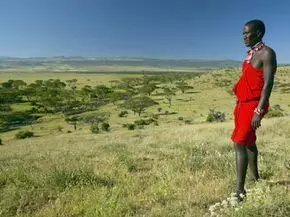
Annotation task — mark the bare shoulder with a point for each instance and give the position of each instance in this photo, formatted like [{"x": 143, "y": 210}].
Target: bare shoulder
[
  {"x": 269, "y": 60},
  {"x": 268, "y": 53}
]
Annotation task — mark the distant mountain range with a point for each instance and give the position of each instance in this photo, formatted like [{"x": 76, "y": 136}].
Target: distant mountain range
[{"x": 79, "y": 62}]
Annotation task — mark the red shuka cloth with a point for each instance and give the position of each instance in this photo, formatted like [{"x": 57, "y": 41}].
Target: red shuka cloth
[{"x": 248, "y": 92}]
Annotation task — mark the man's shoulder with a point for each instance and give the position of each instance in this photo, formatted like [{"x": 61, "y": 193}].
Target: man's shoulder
[{"x": 268, "y": 53}]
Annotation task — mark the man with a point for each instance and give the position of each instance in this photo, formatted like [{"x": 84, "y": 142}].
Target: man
[{"x": 252, "y": 91}]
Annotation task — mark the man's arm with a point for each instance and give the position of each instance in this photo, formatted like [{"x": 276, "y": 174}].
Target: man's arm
[{"x": 269, "y": 68}]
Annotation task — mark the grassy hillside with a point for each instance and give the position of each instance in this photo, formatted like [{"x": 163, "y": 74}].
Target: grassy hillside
[{"x": 173, "y": 169}]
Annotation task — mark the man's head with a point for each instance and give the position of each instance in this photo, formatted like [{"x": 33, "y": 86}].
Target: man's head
[{"x": 253, "y": 33}]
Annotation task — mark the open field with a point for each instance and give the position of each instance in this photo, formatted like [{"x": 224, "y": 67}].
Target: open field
[
  {"x": 83, "y": 78},
  {"x": 173, "y": 169}
]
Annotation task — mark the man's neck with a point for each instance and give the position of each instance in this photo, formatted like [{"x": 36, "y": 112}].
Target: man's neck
[{"x": 256, "y": 45}]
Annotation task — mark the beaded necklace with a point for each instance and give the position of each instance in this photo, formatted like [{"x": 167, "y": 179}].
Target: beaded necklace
[{"x": 251, "y": 52}]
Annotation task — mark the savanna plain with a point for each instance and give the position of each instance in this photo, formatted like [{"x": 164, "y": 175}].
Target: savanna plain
[{"x": 131, "y": 144}]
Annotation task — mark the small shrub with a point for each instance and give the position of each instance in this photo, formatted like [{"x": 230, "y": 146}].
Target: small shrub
[
  {"x": 180, "y": 118},
  {"x": 123, "y": 114},
  {"x": 24, "y": 134},
  {"x": 274, "y": 113},
  {"x": 159, "y": 109},
  {"x": 188, "y": 121},
  {"x": 155, "y": 116},
  {"x": 131, "y": 126},
  {"x": 1, "y": 142},
  {"x": 95, "y": 129},
  {"x": 5, "y": 108},
  {"x": 141, "y": 122},
  {"x": 276, "y": 107},
  {"x": 105, "y": 127},
  {"x": 34, "y": 110},
  {"x": 144, "y": 121},
  {"x": 59, "y": 128},
  {"x": 215, "y": 116},
  {"x": 69, "y": 131}
]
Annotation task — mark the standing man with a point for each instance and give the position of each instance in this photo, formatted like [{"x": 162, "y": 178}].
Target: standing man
[{"x": 252, "y": 91}]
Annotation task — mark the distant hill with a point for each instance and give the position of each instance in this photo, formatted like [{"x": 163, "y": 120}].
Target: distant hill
[{"x": 78, "y": 62}]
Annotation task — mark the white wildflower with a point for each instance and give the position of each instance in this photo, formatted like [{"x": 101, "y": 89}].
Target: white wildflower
[
  {"x": 224, "y": 203},
  {"x": 212, "y": 208},
  {"x": 234, "y": 202},
  {"x": 218, "y": 204}
]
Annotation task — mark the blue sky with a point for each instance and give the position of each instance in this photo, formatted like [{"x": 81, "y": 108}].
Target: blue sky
[{"x": 203, "y": 29}]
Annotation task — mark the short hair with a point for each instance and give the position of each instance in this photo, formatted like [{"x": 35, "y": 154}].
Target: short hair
[{"x": 259, "y": 25}]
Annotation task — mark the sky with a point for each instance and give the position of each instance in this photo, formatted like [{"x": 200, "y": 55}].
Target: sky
[{"x": 171, "y": 29}]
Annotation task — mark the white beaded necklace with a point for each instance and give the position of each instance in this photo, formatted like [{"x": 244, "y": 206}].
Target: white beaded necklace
[{"x": 251, "y": 52}]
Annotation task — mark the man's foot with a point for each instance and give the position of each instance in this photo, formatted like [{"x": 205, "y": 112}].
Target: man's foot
[{"x": 240, "y": 196}]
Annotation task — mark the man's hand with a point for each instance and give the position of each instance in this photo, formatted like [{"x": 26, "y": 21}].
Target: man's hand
[{"x": 256, "y": 121}]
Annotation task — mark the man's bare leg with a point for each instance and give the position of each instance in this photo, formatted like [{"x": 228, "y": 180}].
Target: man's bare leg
[
  {"x": 253, "y": 161},
  {"x": 241, "y": 167}
]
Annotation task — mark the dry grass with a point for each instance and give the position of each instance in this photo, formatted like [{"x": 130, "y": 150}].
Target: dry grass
[
  {"x": 168, "y": 170},
  {"x": 164, "y": 171}
]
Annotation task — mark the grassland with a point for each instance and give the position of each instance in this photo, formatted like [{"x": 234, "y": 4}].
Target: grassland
[{"x": 174, "y": 169}]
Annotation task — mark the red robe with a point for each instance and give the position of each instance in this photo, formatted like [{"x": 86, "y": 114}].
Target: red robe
[{"x": 248, "y": 91}]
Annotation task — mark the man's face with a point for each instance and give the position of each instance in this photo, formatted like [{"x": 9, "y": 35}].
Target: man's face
[{"x": 250, "y": 35}]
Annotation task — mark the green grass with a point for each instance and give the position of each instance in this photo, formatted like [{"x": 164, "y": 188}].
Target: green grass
[
  {"x": 164, "y": 171},
  {"x": 173, "y": 169}
]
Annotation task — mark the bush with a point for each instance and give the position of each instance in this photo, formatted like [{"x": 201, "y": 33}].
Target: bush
[
  {"x": 180, "y": 118},
  {"x": 105, "y": 127},
  {"x": 274, "y": 113},
  {"x": 139, "y": 124},
  {"x": 1, "y": 142},
  {"x": 59, "y": 128},
  {"x": 155, "y": 116},
  {"x": 130, "y": 126},
  {"x": 215, "y": 116},
  {"x": 123, "y": 114},
  {"x": 95, "y": 129},
  {"x": 24, "y": 134},
  {"x": 143, "y": 122},
  {"x": 5, "y": 108},
  {"x": 188, "y": 121}
]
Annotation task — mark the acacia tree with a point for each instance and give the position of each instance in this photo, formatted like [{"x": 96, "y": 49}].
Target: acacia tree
[
  {"x": 101, "y": 92},
  {"x": 86, "y": 94},
  {"x": 12, "y": 91},
  {"x": 183, "y": 86},
  {"x": 14, "y": 84},
  {"x": 169, "y": 93},
  {"x": 117, "y": 95},
  {"x": 72, "y": 84},
  {"x": 138, "y": 104},
  {"x": 72, "y": 120},
  {"x": 148, "y": 88},
  {"x": 50, "y": 95},
  {"x": 95, "y": 119}
]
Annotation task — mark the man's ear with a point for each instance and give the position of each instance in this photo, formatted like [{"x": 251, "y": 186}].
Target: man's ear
[{"x": 259, "y": 34}]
